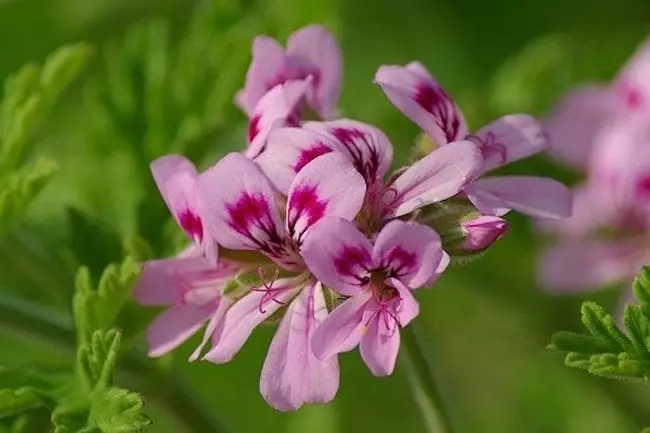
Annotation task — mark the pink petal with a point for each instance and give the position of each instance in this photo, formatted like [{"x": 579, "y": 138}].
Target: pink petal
[
  {"x": 409, "y": 252},
  {"x": 215, "y": 325},
  {"x": 338, "y": 254},
  {"x": 267, "y": 69},
  {"x": 509, "y": 139},
  {"x": 327, "y": 186},
  {"x": 589, "y": 212},
  {"x": 161, "y": 282},
  {"x": 316, "y": 50},
  {"x": 423, "y": 101},
  {"x": 530, "y": 195},
  {"x": 238, "y": 205},
  {"x": 436, "y": 177},
  {"x": 631, "y": 85},
  {"x": 379, "y": 348},
  {"x": 292, "y": 375},
  {"x": 175, "y": 177},
  {"x": 367, "y": 147},
  {"x": 246, "y": 315},
  {"x": 481, "y": 232},
  {"x": 485, "y": 201},
  {"x": 171, "y": 328},
  {"x": 288, "y": 150},
  {"x": 589, "y": 265},
  {"x": 279, "y": 107},
  {"x": 409, "y": 306},
  {"x": 575, "y": 121},
  {"x": 343, "y": 329}
]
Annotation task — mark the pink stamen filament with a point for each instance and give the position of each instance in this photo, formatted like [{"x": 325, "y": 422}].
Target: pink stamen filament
[{"x": 270, "y": 291}]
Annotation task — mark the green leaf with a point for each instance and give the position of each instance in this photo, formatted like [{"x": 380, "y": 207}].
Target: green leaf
[
  {"x": 15, "y": 401},
  {"x": 118, "y": 411},
  {"x": 96, "y": 360},
  {"x": 603, "y": 326},
  {"x": 97, "y": 309},
  {"x": 572, "y": 342},
  {"x": 641, "y": 286}
]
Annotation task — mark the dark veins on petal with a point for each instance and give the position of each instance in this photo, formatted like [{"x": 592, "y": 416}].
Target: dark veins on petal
[
  {"x": 349, "y": 259},
  {"x": 438, "y": 103},
  {"x": 191, "y": 223},
  {"x": 304, "y": 202},
  {"x": 308, "y": 155},
  {"x": 366, "y": 161},
  {"x": 399, "y": 261}
]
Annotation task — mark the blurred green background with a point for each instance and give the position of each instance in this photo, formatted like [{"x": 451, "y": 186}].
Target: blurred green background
[{"x": 162, "y": 79}]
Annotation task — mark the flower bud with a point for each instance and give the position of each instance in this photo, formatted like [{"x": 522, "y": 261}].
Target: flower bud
[{"x": 482, "y": 231}]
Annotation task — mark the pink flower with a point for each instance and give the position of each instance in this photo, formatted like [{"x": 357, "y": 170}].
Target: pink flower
[
  {"x": 576, "y": 121},
  {"x": 242, "y": 212},
  {"x": 605, "y": 242},
  {"x": 176, "y": 177},
  {"x": 191, "y": 286},
  {"x": 414, "y": 91},
  {"x": 377, "y": 281},
  {"x": 311, "y": 52},
  {"x": 438, "y": 176},
  {"x": 279, "y": 107},
  {"x": 482, "y": 231}
]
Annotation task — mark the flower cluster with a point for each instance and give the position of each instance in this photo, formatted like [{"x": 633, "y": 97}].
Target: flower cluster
[
  {"x": 307, "y": 228},
  {"x": 605, "y": 132}
]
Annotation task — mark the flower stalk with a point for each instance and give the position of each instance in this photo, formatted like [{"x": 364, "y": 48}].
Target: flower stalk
[{"x": 425, "y": 389}]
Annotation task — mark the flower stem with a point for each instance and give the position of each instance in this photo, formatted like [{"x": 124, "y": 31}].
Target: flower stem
[
  {"x": 170, "y": 391},
  {"x": 426, "y": 392}
]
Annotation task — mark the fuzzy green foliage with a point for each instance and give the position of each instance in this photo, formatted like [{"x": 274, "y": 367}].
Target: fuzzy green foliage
[
  {"x": 84, "y": 400},
  {"x": 606, "y": 350},
  {"x": 29, "y": 95}
]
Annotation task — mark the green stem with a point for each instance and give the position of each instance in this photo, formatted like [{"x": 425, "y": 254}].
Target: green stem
[
  {"x": 426, "y": 392},
  {"x": 170, "y": 391}
]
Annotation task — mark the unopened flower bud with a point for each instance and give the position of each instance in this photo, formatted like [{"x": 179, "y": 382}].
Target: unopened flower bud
[{"x": 482, "y": 231}]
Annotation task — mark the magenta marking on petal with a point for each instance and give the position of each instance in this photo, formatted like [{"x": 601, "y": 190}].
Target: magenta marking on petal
[
  {"x": 352, "y": 138},
  {"x": 308, "y": 155},
  {"x": 489, "y": 146},
  {"x": 399, "y": 261},
  {"x": 254, "y": 127},
  {"x": 349, "y": 260},
  {"x": 250, "y": 212},
  {"x": 643, "y": 188},
  {"x": 437, "y": 102},
  {"x": 305, "y": 202},
  {"x": 632, "y": 97},
  {"x": 191, "y": 223}
]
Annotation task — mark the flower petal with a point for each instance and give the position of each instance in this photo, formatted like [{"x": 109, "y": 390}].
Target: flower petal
[
  {"x": 279, "y": 107},
  {"x": 631, "y": 84},
  {"x": 292, "y": 375},
  {"x": 379, "y": 348},
  {"x": 416, "y": 94},
  {"x": 171, "y": 328},
  {"x": 342, "y": 330},
  {"x": 238, "y": 205},
  {"x": 327, "y": 186},
  {"x": 529, "y": 195},
  {"x": 436, "y": 177},
  {"x": 338, "y": 254},
  {"x": 288, "y": 150},
  {"x": 409, "y": 252},
  {"x": 176, "y": 177},
  {"x": 315, "y": 48},
  {"x": 509, "y": 139},
  {"x": 575, "y": 121},
  {"x": 215, "y": 325},
  {"x": 267, "y": 69},
  {"x": 589, "y": 265},
  {"x": 163, "y": 282},
  {"x": 367, "y": 147},
  {"x": 409, "y": 306},
  {"x": 245, "y": 315}
]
